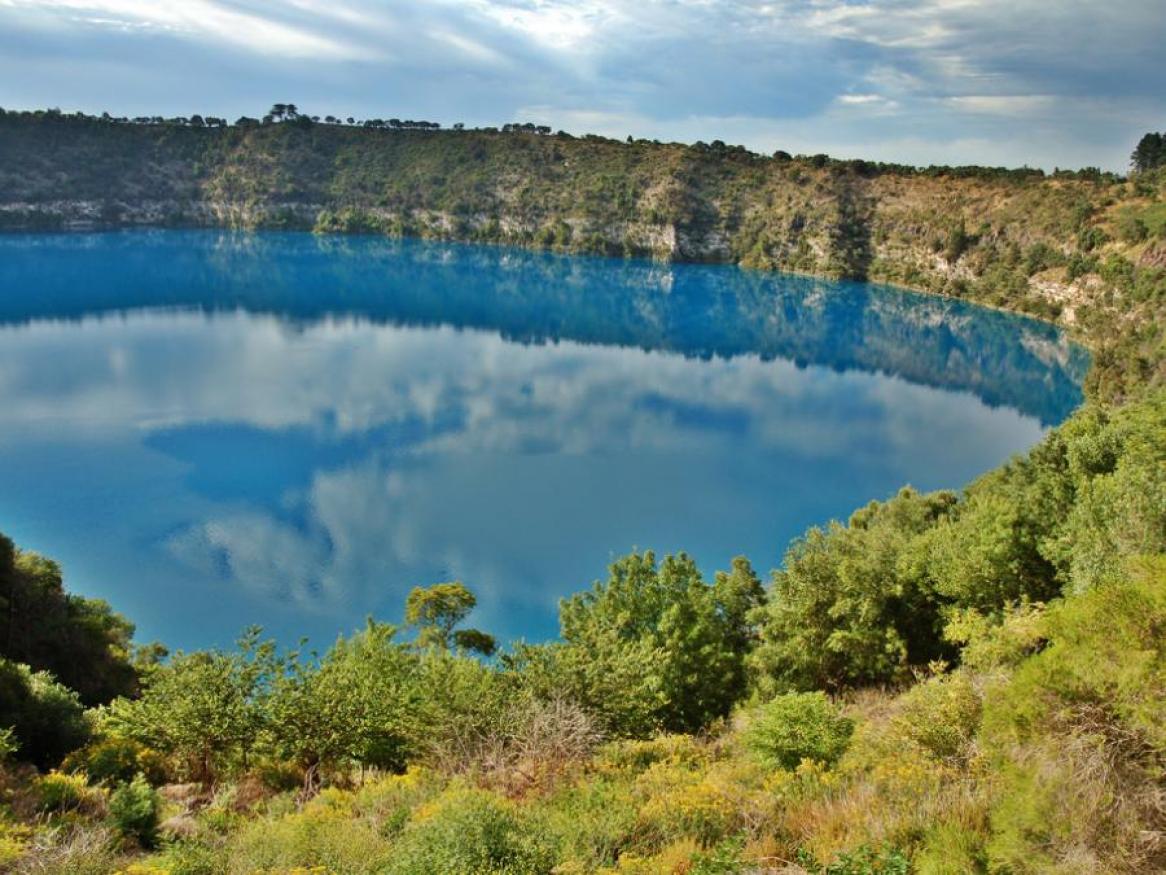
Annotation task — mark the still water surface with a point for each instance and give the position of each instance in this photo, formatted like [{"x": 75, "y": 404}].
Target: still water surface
[{"x": 212, "y": 430}]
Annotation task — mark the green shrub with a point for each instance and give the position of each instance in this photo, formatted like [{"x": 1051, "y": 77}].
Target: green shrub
[
  {"x": 595, "y": 822},
  {"x": 115, "y": 760},
  {"x": 798, "y": 726},
  {"x": 190, "y": 857},
  {"x": 952, "y": 849},
  {"x": 850, "y": 606},
  {"x": 472, "y": 831},
  {"x": 323, "y": 834},
  {"x": 867, "y": 861},
  {"x": 46, "y": 717},
  {"x": 134, "y": 810},
  {"x": 58, "y": 792},
  {"x": 941, "y": 715},
  {"x": 1077, "y": 736},
  {"x": 9, "y": 744}
]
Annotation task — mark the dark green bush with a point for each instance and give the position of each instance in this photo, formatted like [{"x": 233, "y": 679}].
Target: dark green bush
[{"x": 134, "y": 810}]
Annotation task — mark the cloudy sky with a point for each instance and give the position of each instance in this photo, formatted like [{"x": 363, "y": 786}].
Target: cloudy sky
[{"x": 1039, "y": 82}]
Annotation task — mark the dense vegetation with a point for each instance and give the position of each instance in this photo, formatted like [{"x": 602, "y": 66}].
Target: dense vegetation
[{"x": 952, "y": 682}]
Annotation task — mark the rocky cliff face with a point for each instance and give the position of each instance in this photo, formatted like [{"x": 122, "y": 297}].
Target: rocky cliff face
[{"x": 1080, "y": 249}]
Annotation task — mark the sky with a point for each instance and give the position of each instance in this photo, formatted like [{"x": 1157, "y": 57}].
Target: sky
[{"x": 1043, "y": 83}]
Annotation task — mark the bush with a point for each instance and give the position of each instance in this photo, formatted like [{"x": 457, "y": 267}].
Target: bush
[
  {"x": 134, "y": 810},
  {"x": 849, "y": 607},
  {"x": 59, "y": 792},
  {"x": 46, "y": 718},
  {"x": 190, "y": 858},
  {"x": 595, "y": 822},
  {"x": 798, "y": 726},
  {"x": 116, "y": 760},
  {"x": 472, "y": 831},
  {"x": 323, "y": 834},
  {"x": 941, "y": 715},
  {"x": 1077, "y": 736}
]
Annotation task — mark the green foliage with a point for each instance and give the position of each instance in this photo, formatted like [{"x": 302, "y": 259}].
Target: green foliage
[
  {"x": 9, "y": 744},
  {"x": 59, "y": 792},
  {"x": 798, "y": 726},
  {"x": 323, "y": 834},
  {"x": 958, "y": 242},
  {"x": 472, "y": 831},
  {"x": 115, "y": 760},
  {"x": 867, "y": 861},
  {"x": 437, "y": 609},
  {"x": 83, "y": 643},
  {"x": 204, "y": 708},
  {"x": 1150, "y": 153},
  {"x": 850, "y": 606},
  {"x": 1118, "y": 461},
  {"x": 350, "y": 706},
  {"x": 134, "y": 810},
  {"x": 655, "y": 647},
  {"x": 45, "y": 717},
  {"x": 1078, "y": 736},
  {"x": 941, "y": 715},
  {"x": 1000, "y": 547}
]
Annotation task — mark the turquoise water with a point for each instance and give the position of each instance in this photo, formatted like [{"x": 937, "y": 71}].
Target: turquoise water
[{"x": 212, "y": 430}]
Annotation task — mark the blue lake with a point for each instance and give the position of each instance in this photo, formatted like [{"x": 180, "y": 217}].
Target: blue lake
[{"x": 212, "y": 430}]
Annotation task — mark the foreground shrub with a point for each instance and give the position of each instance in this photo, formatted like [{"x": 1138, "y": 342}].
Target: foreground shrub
[
  {"x": 941, "y": 715},
  {"x": 796, "y": 727},
  {"x": 116, "y": 760},
  {"x": 1078, "y": 737},
  {"x": 595, "y": 822},
  {"x": 324, "y": 834},
  {"x": 472, "y": 831},
  {"x": 71, "y": 849},
  {"x": 134, "y": 810},
  {"x": 706, "y": 805},
  {"x": 58, "y": 792}
]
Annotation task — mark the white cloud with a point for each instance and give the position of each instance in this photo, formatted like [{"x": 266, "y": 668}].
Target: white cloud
[
  {"x": 207, "y": 20},
  {"x": 795, "y": 74}
]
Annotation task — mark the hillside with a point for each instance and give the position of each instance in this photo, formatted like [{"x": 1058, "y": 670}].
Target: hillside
[{"x": 1085, "y": 249}]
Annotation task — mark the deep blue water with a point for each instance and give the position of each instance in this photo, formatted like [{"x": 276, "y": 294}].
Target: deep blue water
[{"x": 212, "y": 430}]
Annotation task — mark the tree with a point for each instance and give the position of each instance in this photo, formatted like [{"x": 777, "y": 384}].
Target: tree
[
  {"x": 81, "y": 641},
  {"x": 207, "y": 708},
  {"x": 434, "y": 611},
  {"x": 278, "y": 111},
  {"x": 853, "y": 604},
  {"x": 655, "y": 647},
  {"x": 1150, "y": 153},
  {"x": 358, "y": 703},
  {"x": 46, "y": 718}
]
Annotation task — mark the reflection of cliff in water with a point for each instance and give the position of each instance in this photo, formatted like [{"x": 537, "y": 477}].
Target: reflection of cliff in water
[{"x": 529, "y": 297}]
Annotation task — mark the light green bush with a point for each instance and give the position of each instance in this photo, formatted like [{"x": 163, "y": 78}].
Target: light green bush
[
  {"x": 798, "y": 726},
  {"x": 941, "y": 715},
  {"x": 321, "y": 835},
  {"x": 115, "y": 760},
  {"x": 472, "y": 831},
  {"x": 62, "y": 792},
  {"x": 1078, "y": 735}
]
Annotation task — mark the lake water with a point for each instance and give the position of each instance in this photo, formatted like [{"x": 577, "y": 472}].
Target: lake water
[{"x": 212, "y": 430}]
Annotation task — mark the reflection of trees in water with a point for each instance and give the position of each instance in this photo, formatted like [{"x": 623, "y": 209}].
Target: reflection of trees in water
[{"x": 529, "y": 297}]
